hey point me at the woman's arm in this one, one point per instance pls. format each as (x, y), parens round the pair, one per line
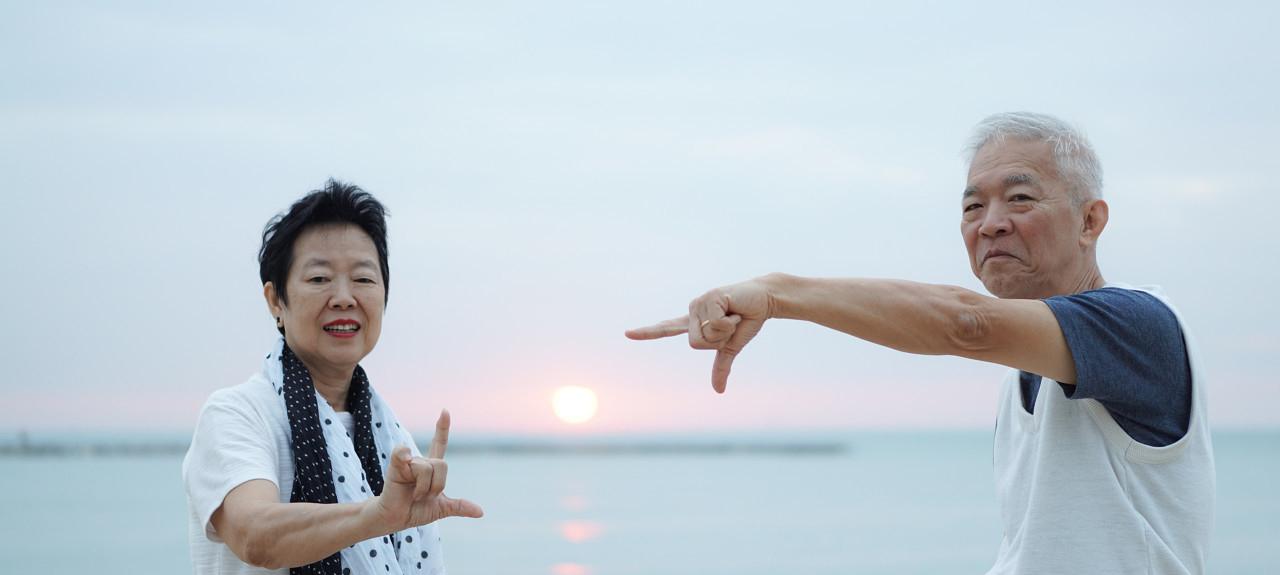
(264, 532)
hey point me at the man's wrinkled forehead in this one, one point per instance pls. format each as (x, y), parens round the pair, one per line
(1010, 180)
(1006, 163)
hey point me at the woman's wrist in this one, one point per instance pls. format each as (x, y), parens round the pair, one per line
(374, 520)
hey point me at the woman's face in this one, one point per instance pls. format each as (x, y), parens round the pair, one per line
(336, 297)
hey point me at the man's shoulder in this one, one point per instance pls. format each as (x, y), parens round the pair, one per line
(1148, 295)
(1095, 322)
(1120, 301)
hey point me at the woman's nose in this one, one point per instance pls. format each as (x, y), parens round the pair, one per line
(342, 297)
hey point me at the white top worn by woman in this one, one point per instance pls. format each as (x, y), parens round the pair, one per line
(242, 435)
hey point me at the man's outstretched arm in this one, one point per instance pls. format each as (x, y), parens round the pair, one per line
(906, 316)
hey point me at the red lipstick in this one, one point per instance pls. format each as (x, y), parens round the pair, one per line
(343, 328)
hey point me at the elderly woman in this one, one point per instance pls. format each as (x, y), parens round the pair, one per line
(304, 466)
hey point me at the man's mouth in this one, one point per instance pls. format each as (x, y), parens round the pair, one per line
(996, 254)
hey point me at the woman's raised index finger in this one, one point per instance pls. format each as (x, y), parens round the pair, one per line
(440, 441)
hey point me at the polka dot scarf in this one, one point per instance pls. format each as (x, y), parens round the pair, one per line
(331, 466)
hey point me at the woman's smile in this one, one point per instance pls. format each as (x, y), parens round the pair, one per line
(342, 328)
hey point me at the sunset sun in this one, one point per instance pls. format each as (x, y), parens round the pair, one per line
(574, 404)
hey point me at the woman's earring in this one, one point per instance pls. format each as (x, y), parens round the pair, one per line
(279, 323)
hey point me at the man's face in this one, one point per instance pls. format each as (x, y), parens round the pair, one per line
(1020, 226)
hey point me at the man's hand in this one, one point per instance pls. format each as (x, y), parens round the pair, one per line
(723, 319)
(414, 491)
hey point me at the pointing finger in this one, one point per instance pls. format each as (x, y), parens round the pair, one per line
(668, 328)
(440, 441)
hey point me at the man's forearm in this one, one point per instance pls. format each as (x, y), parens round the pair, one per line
(906, 316)
(929, 319)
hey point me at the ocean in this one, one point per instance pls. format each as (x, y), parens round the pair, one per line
(888, 502)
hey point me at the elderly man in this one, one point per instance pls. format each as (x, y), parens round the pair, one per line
(1103, 459)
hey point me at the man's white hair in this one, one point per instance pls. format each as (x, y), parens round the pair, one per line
(1077, 164)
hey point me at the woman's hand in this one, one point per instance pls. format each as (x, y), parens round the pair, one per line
(413, 494)
(264, 532)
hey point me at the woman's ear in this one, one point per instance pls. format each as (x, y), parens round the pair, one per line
(273, 300)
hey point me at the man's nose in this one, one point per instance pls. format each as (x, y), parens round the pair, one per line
(995, 223)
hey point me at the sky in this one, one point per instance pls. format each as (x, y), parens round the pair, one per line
(558, 172)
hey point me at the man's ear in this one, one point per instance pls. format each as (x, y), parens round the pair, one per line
(1093, 219)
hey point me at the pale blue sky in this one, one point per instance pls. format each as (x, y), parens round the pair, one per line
(558, 172)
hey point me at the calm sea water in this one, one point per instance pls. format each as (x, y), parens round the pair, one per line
(894, 503)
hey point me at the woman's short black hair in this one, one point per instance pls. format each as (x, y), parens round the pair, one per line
(335, 203)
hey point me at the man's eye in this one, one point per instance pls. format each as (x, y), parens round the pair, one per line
(971, 207)
(317, 279)
(1021, 197)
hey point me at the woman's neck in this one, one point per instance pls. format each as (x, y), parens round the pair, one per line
(332, 383)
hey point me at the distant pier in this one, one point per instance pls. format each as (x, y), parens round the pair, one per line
(26, 447)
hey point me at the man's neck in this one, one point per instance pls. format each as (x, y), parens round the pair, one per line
(1089, 279)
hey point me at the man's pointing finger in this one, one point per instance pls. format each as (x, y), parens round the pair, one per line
(671, 327)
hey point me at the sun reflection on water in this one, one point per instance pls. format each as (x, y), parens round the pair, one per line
(573, 502)
(574, 529)
(580, 531)
(570, 569)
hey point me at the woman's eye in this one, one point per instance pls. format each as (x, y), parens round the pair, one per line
(971, 207)
(365, 280)
(317, 279)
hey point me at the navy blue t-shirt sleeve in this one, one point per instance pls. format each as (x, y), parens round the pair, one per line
(1129, 355)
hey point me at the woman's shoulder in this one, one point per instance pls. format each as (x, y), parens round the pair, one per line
(246, 413)
(256, 395)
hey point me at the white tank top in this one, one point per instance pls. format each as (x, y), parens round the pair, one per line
(1078, 495)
